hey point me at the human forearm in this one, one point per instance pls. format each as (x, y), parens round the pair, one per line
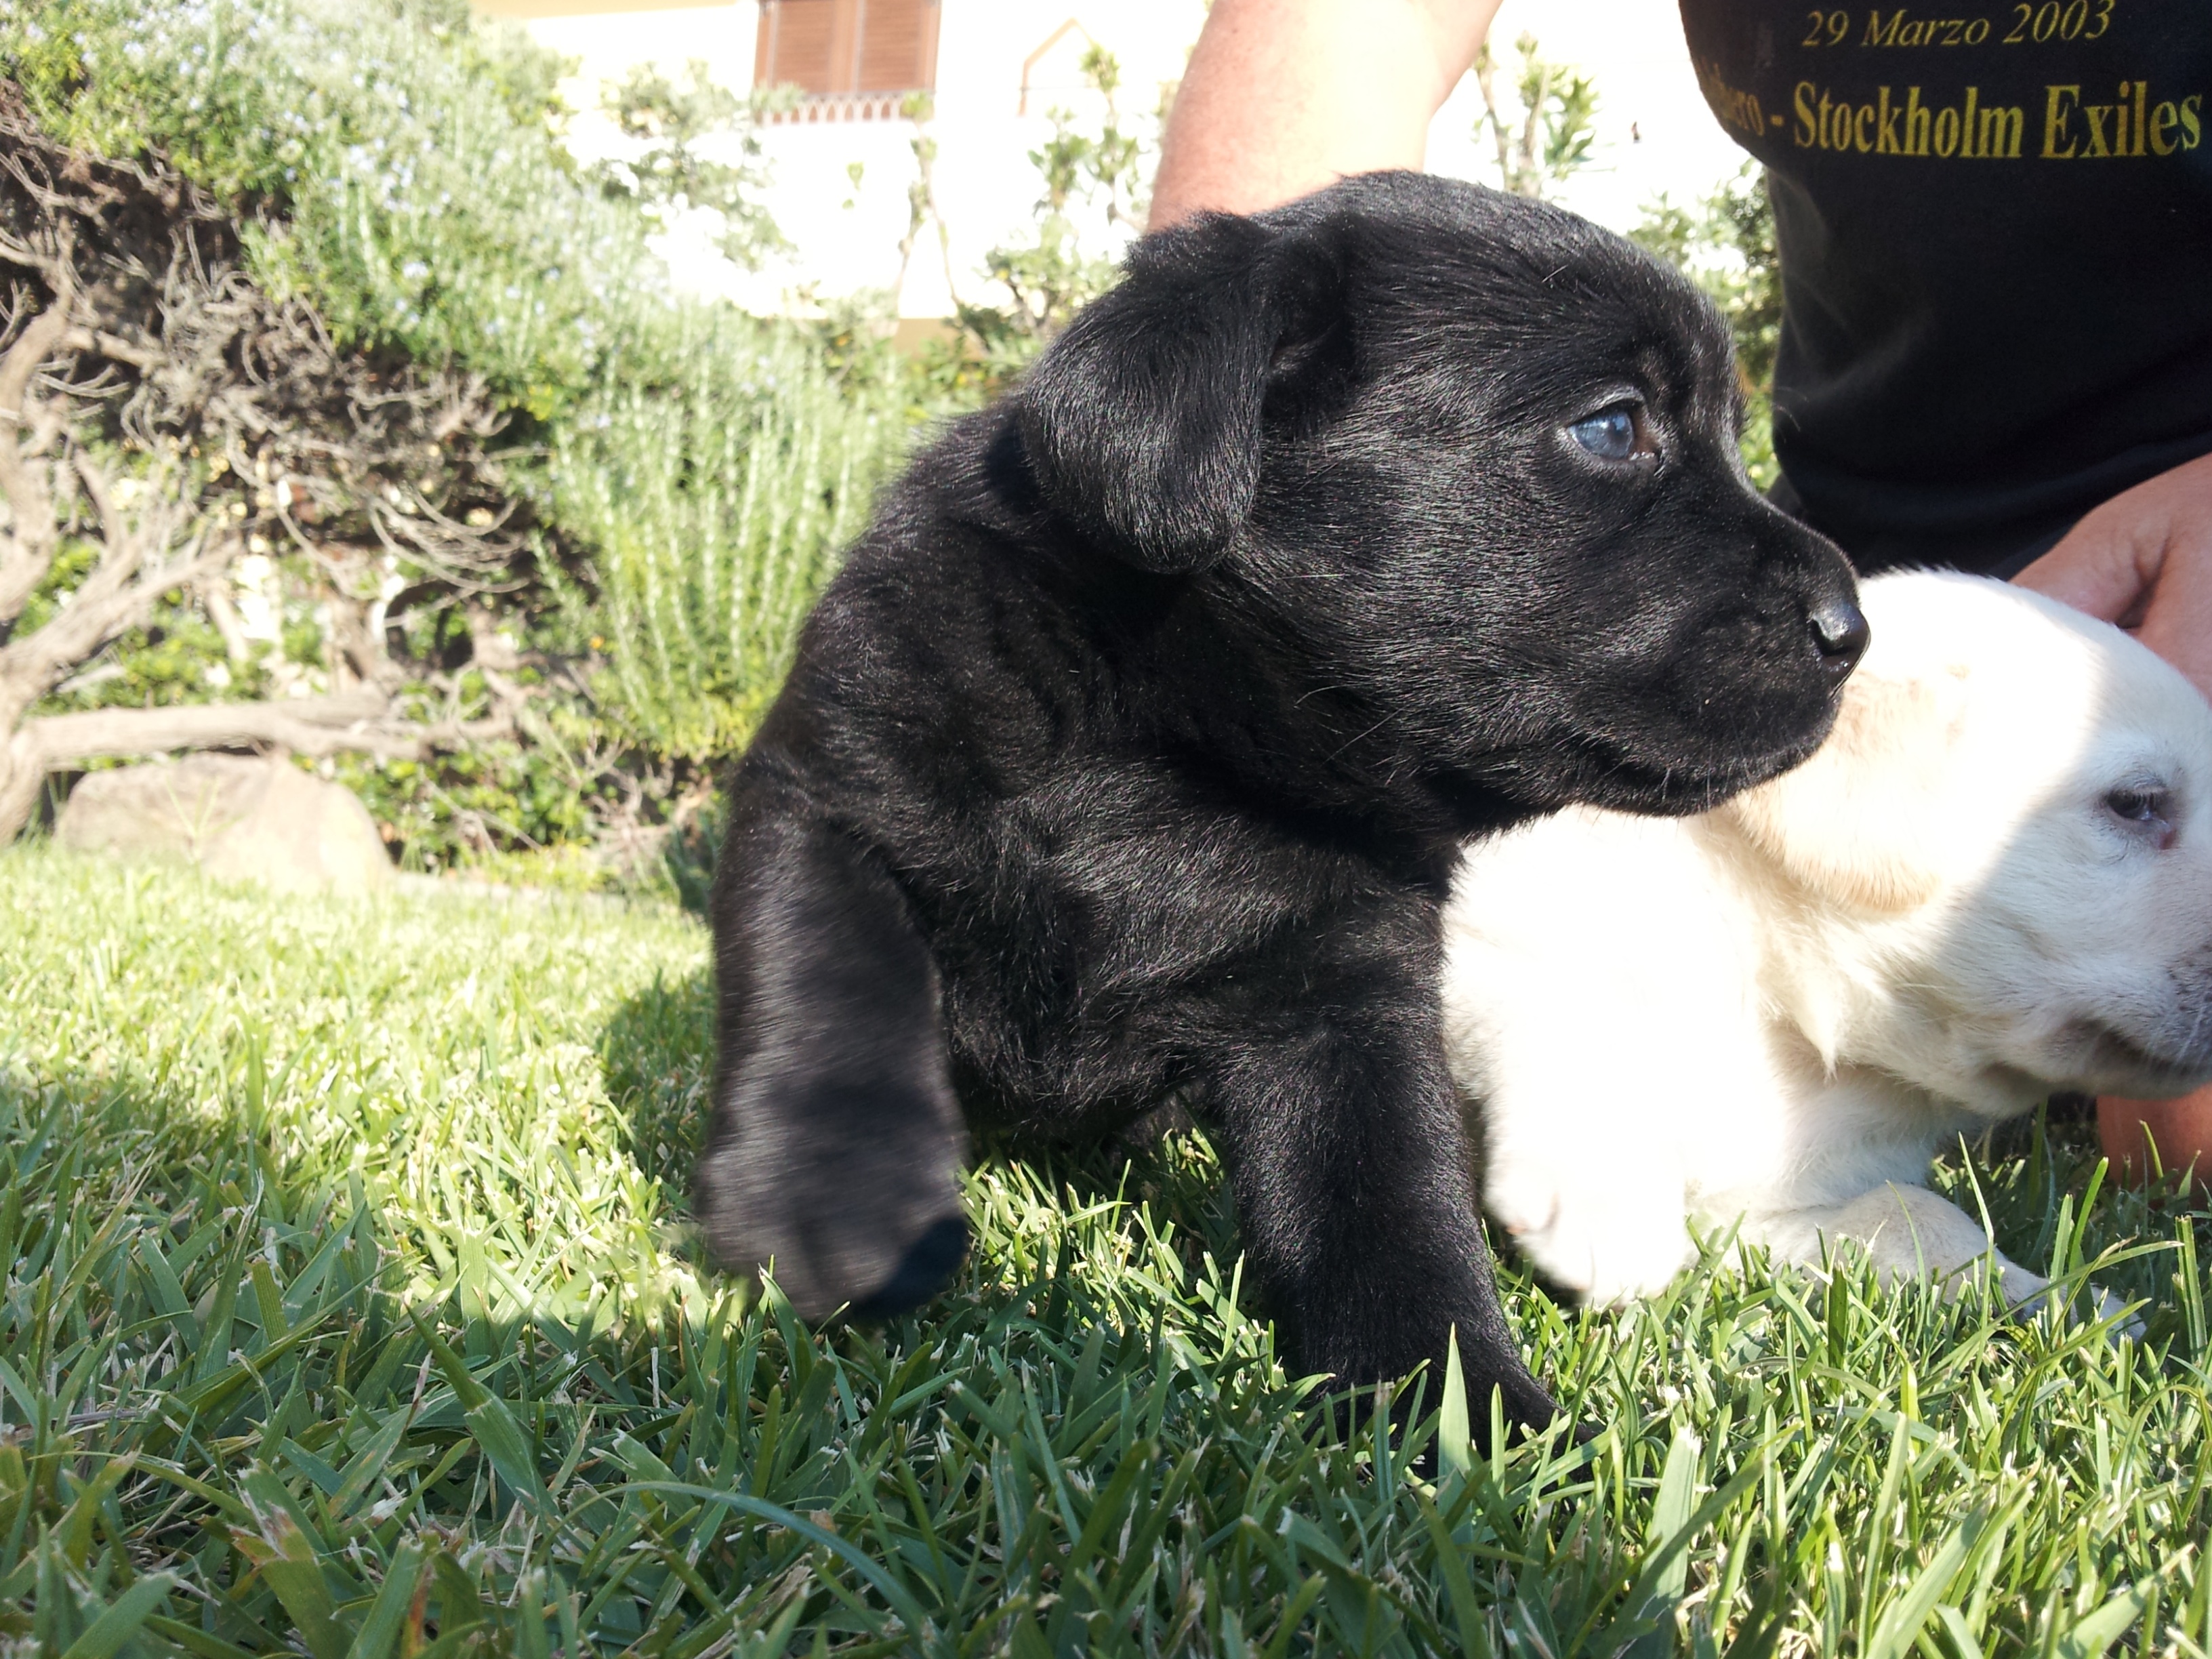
(1284, 96)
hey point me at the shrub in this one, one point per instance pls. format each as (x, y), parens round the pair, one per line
(717, 508)
(174, 427)
(1725, 245)
(1556, 124)
(392, 162)
(681, 477)
(1046, 279)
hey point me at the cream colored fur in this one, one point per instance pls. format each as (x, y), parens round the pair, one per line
(1770, 1017)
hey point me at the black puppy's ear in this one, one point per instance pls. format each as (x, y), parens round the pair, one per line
(1143, 420)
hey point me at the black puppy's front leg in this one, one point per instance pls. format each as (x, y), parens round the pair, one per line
(836, 1142)
(1349, 1157)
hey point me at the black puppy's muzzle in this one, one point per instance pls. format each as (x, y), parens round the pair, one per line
(1840, 634)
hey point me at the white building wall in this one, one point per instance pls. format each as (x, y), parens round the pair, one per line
(1654, 131)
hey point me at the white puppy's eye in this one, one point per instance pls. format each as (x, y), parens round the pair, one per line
(2145, 809)
(1618, 434)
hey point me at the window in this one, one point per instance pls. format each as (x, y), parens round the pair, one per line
(854, 59)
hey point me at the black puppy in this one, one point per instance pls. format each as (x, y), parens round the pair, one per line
(1131, 753)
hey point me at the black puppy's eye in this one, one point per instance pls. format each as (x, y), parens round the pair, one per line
(1617, 434)
(2145, 809)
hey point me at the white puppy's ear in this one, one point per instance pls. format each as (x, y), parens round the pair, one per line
(1858, 822)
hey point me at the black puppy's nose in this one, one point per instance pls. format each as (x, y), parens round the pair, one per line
(1839, 629)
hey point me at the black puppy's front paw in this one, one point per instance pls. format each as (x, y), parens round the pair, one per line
(836, 1144)
(927, 1268)
(867, 1235)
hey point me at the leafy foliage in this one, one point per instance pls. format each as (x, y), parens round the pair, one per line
(696, 146)
(349, 1312)
(1047, 280)
(316, 475)
(719, 509)
(1555, 128)
(425, 200)
(1725, 244)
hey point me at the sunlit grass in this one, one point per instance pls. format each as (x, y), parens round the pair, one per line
(350, 1312)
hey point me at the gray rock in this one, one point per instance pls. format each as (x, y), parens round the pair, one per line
(238, 819)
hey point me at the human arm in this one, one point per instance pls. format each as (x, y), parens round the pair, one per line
(2144, 560)
(1285, 96)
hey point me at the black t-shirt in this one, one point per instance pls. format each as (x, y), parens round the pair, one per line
(1995, 225)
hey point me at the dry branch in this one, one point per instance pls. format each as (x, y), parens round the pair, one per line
(28, 430)
(306, 726)
(316, 726)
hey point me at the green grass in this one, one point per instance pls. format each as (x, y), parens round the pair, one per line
(350, 1312)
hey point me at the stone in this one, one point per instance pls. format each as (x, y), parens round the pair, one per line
(239, 820)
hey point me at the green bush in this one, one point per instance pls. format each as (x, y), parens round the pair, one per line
(397, 164)
(694, 472)
(717, 507)
(1725, 245)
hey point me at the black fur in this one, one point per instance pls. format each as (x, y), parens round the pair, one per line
(1130, 754)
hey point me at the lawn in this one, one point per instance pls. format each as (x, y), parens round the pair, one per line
(351, 1312)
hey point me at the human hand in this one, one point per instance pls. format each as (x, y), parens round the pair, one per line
(2144, 560)
(1285, 96)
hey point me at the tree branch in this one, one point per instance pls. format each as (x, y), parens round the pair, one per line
(107, 604)
(26, 548)
(21, 774)
(114, 346)
(57, 268)
(306, 726)
(358, 723)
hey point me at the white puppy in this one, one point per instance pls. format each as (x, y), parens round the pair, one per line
(1994, 880)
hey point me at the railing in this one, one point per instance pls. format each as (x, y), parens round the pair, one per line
(839, 107)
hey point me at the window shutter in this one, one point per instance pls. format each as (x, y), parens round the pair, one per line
(898, 45)
(853, 51)
(794, 44)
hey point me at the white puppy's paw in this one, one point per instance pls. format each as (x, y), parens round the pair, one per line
(2104, 1305)
(2029, 1293)
(1611, 1247)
